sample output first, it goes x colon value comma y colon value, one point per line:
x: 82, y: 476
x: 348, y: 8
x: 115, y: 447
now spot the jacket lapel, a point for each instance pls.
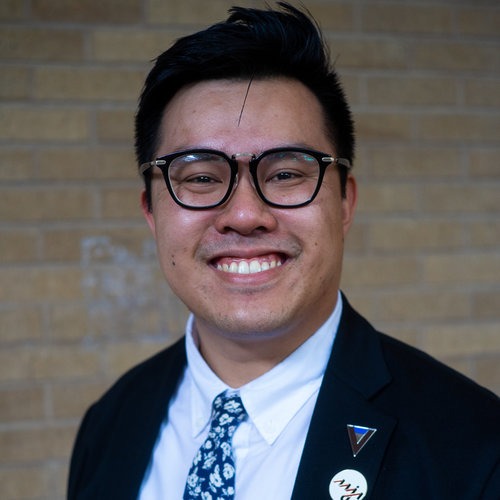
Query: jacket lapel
x: 355, y: 373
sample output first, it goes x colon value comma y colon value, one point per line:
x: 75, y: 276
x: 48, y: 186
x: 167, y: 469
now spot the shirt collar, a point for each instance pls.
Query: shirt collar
x: 274, y: 398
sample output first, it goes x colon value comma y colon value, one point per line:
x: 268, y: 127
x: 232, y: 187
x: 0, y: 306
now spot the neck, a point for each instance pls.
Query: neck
x: 238, y: 361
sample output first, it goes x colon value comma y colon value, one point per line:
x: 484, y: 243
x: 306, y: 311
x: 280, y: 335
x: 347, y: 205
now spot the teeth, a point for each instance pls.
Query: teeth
x: 248, y: 267
x: 255, y: 267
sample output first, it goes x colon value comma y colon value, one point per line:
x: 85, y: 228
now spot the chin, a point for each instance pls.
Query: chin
x: 250, y: 326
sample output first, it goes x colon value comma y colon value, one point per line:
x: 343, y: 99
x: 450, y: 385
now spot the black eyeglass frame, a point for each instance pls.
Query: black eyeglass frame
x: 323, y: 159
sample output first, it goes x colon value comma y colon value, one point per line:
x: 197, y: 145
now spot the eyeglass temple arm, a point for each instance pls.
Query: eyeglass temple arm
x: 341, y: 161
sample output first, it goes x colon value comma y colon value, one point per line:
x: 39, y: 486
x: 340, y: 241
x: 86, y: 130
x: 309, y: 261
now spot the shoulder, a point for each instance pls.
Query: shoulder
x: 142, y: 383
x: 426, y: 380
x: 127, y: 417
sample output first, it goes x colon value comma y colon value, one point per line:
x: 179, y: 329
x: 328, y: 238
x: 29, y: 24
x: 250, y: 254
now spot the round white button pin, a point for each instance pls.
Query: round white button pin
x: 348, y: 484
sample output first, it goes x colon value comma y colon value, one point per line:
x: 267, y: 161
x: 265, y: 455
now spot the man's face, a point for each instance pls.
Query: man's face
x: 297, y: 250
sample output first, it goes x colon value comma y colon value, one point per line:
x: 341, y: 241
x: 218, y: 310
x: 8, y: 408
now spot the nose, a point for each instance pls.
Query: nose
x: 245, y: 212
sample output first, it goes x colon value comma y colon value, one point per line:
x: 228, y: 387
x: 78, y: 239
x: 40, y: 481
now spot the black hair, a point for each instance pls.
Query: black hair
x: 251, y: 43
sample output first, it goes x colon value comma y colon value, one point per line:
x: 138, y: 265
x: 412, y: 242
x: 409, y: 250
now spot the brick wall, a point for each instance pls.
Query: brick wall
x: 81, y: 297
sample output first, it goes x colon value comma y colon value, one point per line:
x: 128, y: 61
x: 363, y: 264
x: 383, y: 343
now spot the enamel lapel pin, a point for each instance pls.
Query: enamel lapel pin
x: 359, y: 436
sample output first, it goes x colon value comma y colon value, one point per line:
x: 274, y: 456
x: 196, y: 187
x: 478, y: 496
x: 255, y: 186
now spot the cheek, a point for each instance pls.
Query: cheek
x: 178, y: 232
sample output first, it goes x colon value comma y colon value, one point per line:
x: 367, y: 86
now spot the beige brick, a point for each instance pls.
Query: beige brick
x: 462, y: 339
x: 60, y: 472
x: 132, y: 45
x: 407, y: 234
x: 487, y: 304
x: 18, y: 245
x: 487, y: 373
x: 87, y: 84
x: 22, y: 403
x: 25, y: 445
x: 455, y: 56
x: 12, y: 10
x: 126, y: 318
x: 380, y: 271
x: 420, y: 163
x: 15, y: 365
x: 116, y: 126
x: 48, y: 363
x: 461, y: 269
x: 54, y: 203
x: 425, y: 306
x: 122, y: 356
x: 407, y: 18
x: 91, y: 11
x: 484, y: 93
x: 15, y: 83
x: 68, y: 322
x: 104, y: 163
x: 383, y: 126
x: 479, y: 20
x: 462, y: 128
x: 71, y: 400
x: 386, y: 198
x: 68, y: 244
x: 26, y: 284
x: 121, y: 203
x: 356, y: 240
x: 190, y: 11
x: 485, y: 233
x: 32, y: 124
x: 41, y: 44
x: 460, y: 198
x: 25, y: 482
x: 352, y: 88
x: 367, y: 53
x: 19, y: 324
x: 484, y: 162
x: 16, y: 164
x: 65, y: 363
x: 411, y: 91
x: 333, y: 16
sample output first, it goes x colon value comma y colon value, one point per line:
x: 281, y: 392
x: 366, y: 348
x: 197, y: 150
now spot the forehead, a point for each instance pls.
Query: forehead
x: 259, y: 114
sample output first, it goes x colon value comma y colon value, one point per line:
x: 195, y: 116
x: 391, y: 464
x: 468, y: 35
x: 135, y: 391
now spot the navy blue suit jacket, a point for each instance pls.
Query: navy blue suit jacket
x: 437, y: 432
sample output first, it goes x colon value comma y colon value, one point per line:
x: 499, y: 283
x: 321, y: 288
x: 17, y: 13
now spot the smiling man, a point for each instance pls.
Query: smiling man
x: 279, y: 389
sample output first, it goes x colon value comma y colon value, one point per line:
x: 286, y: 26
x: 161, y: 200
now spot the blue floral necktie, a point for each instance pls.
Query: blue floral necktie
x: 212, y: 473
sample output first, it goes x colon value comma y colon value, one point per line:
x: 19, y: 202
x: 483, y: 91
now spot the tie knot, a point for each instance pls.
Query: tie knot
x: 228, y: 411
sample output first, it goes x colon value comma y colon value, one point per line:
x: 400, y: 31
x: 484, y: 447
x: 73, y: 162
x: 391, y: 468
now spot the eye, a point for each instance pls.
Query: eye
x: 201, y: 179
x: 288, y: 168
x: 283, y: 176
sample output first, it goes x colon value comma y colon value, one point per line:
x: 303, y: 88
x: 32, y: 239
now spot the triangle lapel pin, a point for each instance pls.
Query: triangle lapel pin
x: 358, y: 437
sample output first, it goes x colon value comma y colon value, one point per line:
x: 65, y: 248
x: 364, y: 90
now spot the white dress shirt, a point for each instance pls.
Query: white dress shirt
x: 268, y: 445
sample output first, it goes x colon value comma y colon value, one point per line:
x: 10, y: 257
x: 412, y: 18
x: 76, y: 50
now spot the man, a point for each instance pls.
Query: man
x: 245, y: 142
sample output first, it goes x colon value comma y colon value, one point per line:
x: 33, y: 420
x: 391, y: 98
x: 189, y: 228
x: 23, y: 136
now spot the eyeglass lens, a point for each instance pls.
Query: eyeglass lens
x: 285, y: 178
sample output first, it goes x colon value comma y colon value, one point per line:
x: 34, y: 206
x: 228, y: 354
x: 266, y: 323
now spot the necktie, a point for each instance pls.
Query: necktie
x: 212, y: 473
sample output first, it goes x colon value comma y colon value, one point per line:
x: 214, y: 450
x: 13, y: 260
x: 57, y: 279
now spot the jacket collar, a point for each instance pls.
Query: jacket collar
x: 355, y: 374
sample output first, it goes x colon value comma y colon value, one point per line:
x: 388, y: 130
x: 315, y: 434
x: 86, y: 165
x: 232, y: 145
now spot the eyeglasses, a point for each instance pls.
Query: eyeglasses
x: 205, y: 178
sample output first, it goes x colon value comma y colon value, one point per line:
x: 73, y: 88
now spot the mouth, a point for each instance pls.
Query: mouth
x: 254, y: 265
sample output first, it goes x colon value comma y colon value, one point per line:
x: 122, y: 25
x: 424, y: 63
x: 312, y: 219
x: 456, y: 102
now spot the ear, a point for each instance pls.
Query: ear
x: 148, y: 213
x: 349, y: 203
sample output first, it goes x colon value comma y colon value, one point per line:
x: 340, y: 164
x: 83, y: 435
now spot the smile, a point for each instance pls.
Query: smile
x: 251, y: 266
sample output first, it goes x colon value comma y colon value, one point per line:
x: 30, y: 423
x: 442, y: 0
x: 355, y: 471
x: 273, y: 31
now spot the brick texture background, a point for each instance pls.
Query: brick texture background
x: 81, y: 297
